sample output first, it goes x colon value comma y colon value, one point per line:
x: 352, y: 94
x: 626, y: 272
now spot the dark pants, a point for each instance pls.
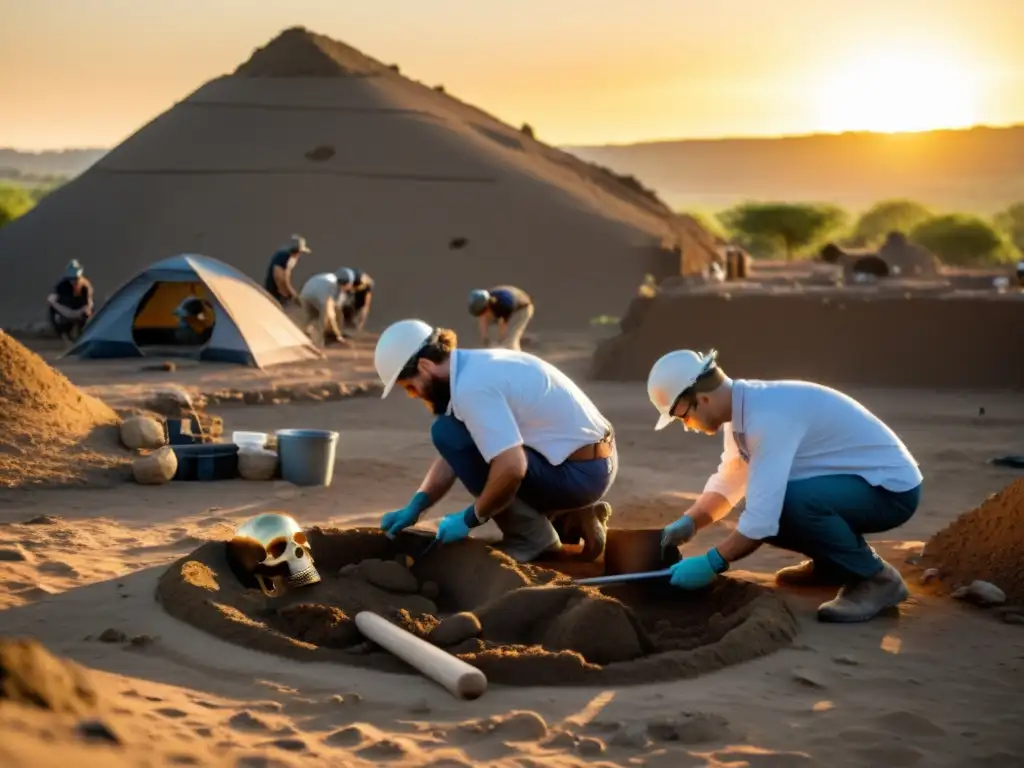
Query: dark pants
x: 66, y: 328
x: 826, y: 518
x: 546, y: 488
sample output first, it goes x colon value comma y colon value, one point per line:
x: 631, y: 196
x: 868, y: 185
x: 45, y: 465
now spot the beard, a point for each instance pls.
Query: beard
x: 438, y: 395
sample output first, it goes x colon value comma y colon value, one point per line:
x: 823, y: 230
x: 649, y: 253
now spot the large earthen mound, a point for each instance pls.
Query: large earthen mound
x: 522, y: 625
x: 985, y: 543
x: 50, y: 431
x: 309, y: 126
x: 837, y: 337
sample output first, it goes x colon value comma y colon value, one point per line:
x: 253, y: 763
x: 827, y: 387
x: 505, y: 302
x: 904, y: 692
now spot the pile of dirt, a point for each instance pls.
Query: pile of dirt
x: 50, y: 431
x: 520, y: 624
x: 30, y: 675
x: 833, y: 336
x: 985, y: 543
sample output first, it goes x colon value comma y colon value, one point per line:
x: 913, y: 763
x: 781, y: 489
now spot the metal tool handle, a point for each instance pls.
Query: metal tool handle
x: 621, y: 578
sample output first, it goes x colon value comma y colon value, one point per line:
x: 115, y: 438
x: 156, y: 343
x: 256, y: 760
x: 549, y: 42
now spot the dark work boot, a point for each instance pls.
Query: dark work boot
x: 864, y: 599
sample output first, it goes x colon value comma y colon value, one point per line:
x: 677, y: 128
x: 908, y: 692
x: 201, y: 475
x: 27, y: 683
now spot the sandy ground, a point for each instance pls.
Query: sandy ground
x: 940, y: 685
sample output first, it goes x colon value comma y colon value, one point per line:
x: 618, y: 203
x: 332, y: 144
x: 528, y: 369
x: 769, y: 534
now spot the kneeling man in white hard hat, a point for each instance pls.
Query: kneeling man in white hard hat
x: 819, y: 471
x: 523, y: 439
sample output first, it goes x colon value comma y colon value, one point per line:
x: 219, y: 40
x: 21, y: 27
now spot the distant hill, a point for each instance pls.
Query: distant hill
x: 15, y: 164
x: 978, y: 169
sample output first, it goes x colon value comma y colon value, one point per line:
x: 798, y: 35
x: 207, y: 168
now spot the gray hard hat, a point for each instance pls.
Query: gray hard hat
x: 479, y: 300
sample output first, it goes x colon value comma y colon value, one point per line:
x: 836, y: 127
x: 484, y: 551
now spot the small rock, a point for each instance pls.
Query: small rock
x: 168, y: 366
x: 112, y: 636
x: 42, y: 520
x: 141, y: 641
x: 930, y: 575
x: 97, y: 730
x: 520, y: 725
x: 1013, y: 618
x: 981, y: 593
x: 590, y: 747
x: 847, y: 660
x: 289, y: 744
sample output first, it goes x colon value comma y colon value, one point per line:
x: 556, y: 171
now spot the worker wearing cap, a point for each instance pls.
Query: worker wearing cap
x: 321, y: 296
x: 355, y: 308
x: 195, y: 321
x: 818, y: 470
x: 71, y: 302
x: 518, y: 433
x: 506, y: 306
x: 278, y: 281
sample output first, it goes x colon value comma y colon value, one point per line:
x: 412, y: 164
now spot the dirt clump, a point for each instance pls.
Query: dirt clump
x: 31, y: 675
x: 985, y: 543
x: 51, y: 432
x: 521, y: 625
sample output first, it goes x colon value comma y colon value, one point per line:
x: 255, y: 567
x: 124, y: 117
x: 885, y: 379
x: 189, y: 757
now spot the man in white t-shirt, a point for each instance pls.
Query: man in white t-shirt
x: 523, y: 439
x: 320, y: 297
x: 818, y: 470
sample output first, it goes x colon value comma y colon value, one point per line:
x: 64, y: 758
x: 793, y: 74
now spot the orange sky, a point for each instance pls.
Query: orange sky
x: 89, y: 72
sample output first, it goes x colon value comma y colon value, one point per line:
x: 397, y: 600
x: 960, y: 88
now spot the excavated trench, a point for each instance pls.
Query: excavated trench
x: 521, y: 625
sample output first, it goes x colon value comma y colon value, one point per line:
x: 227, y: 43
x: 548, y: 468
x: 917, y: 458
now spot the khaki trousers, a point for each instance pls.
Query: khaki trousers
x: 318, y: 323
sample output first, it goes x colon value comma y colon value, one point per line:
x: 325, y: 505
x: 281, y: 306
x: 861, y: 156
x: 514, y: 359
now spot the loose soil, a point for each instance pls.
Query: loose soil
x: 520, y: 624
x: 985, y: 543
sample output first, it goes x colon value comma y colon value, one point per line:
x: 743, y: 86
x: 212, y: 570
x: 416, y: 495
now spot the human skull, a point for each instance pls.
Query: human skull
x: 273, y: 549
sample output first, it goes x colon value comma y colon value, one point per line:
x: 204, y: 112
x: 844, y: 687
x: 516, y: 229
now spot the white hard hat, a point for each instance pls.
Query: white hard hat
x: 399, y: 342
x: 672, y: 375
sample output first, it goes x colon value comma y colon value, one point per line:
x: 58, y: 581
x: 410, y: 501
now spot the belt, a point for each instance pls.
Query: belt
x: 599, y: 450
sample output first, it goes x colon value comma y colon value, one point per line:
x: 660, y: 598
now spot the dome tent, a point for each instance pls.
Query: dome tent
x: 249, y: 328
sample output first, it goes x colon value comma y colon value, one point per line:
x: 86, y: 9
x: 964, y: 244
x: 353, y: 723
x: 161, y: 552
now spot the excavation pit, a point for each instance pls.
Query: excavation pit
x: 521, y: 625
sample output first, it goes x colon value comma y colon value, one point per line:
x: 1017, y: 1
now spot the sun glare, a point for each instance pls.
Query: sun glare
x: 894, y: 91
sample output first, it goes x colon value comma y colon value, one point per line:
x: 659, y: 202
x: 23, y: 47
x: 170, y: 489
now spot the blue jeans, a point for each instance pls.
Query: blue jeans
x: 826, y: 518
x: 546, y: 488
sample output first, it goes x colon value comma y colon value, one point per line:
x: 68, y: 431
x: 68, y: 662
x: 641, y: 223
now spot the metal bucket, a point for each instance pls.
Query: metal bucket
x: 307, y: 455
x: 636, y: 551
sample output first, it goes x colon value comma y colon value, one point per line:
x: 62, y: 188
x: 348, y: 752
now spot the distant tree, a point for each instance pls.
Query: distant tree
x: 793, y: 226
x: 962, y: 240
x: 1011, y: 223
x: 14, y: 202
x: 888, y: 216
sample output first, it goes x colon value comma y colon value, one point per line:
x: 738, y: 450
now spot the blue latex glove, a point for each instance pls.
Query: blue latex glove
x: 457, y: 526
x: 699, y: 571
x: 679, y: 532
x: 393, y: 522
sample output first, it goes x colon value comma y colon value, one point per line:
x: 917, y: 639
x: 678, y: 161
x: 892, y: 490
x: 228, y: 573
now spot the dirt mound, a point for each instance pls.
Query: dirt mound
x: 522, y: 625
x: 835, y: 337
x: 985, y: 543
x: 50, y: 431
x: 415, y: 168
x: 31, y: 675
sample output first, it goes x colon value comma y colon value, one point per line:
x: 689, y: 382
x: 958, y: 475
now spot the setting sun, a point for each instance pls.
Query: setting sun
x: 895, y: 91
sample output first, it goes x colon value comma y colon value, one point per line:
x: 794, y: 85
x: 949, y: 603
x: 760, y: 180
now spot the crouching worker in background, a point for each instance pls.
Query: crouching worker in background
x: 507, y: 307
x: 819, y: 471
x: 71, y: 304
x: 195, y: 322
x: 522, y: 438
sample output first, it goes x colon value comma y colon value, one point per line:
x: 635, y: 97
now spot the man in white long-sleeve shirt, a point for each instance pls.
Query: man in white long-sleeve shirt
x: 818, y: 471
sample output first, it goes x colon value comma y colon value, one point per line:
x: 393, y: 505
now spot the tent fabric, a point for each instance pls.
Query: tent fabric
x: 251, y: 328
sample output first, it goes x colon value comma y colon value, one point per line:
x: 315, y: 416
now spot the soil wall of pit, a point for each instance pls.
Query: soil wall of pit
x: 834, y: 338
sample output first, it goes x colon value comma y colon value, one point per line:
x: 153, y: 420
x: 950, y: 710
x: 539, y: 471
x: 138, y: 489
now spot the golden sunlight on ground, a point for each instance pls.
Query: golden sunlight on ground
x: 893, y: 90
